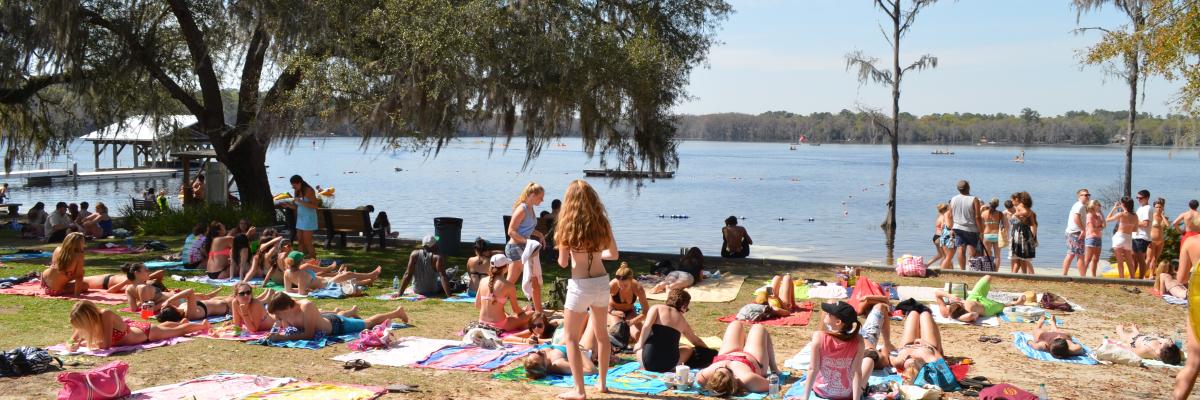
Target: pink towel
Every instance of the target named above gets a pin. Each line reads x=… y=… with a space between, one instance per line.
x=117 y=250
x=471 y=358
x=212 y=387
x=62 y=348
x=34 y=288
x=800 y=317
x=244 y=337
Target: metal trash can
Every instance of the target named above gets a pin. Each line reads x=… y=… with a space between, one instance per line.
x=449 y=234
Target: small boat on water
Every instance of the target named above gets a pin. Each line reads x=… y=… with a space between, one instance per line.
x=618 y=173
x=1020 y=158
x=942 y=152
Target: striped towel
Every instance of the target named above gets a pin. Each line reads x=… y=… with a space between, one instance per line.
x=1021 y=340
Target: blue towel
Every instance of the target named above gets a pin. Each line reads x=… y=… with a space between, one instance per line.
x=312 y=344
x=695 y=389
x=215 y=319
x=333 y=291
x=1021 y=340
x=1174 y=300
x=167 y=265
x=460 y=298
x=25 y=256
x=625 y=377
x=221 y=282
x=1019 y=319
x=876 y=378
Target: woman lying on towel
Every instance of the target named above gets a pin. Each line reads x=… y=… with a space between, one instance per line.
x=742 y=363
x=976 y=306
x=658 y=348
x=188 y=305
x=541 y=330
x=1150 y=347
x=303 y=280
x=1050 y=340
x=494 y=293
x=143 y=286
x=64 y=276
x=553 y=359
x=773 y=301
x=921 y=360
x=689 y=272
x=1166 y=282
x=102 y=329
x=837 y=351
x=301 y=320
x=249 y=311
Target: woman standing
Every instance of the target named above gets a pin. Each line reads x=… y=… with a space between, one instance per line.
x=520 y=230
x=584 y=238
x=1024 y=237
x=945 y=236
x=305 y=204
x=1092 y=238
x=1158 y=236
x=993 y=224
x=1122 y=241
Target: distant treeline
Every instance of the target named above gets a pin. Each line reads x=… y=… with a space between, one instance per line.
x=1075 y=127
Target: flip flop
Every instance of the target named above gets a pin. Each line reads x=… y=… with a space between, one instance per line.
x=356 y=364
x=402 y=388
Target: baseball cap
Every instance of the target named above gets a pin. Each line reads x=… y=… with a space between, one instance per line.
x=428 y=241
x=841 y=311
x=500 y=260
x=296 y=257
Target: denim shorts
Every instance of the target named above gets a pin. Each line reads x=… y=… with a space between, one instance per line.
x=513 y=251
x=1093 y=242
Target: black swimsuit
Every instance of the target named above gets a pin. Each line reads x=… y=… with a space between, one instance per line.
x=106 y=279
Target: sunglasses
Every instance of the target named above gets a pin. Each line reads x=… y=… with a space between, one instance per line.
x=538 y=326
x=1086 y=195
x=245 y=293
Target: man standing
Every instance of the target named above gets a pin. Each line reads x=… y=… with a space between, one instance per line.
x=965 y=209
x=58 y=223
x=1141 y=236
x=1075 y=222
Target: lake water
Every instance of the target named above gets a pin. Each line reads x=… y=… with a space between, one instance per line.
x=842 y=188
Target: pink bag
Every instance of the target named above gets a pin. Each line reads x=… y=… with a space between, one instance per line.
x=911 y=266
x=104 y=383
x=374 y=338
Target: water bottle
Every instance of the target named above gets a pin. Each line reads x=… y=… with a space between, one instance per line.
x=773 y=386
x=396 y=283
x=1042 y=395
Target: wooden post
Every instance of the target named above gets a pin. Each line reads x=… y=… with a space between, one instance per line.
x=187 y=187
x=136 y=153
x=96 y=153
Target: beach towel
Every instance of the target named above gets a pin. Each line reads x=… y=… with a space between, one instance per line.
x=22 y=256
x=117 y=250
x=695 y=389
x=406 y=297
x=220 y=386
x=471 y=358
x=720 y=290
x=404 y=352
x=801 y=360
x=61 y=349
x=533 y=268
x=800 y=317
x=876 y=378
x=922 y=294
x=460 y=298
x=864 y=287
x=1173 y=300
x=243 y=336
x=1021 y=340
x=945 y=320
x=311 y=344
x=332 y=291
x=1009 y=297
x=167 y=265
x=322 y=391
x=213 y=319
x=226 y=282
x=34 y=288
x=625 y=377
x=830 y=292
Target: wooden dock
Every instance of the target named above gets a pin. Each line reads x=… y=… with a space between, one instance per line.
x=615 y=173
x=45 y=176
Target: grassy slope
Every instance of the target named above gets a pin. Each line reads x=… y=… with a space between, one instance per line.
x=42 y=322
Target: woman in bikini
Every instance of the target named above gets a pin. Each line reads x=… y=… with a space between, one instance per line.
x=301 y=277
x=249 y=311
x=1158 y=234
x=219 y=248
x=143 y=286
x=584 y=237
x=625 y=291
x=541 y=330
x=742 y=363
x=1150 y=347
x=1059 y=344
x=921 y=360
x=1122 y=242
x=97 y=224
x=993 y=224
x=945 y=236
x=494 y=293
x=64 y=275
x=187 y=305
x=1092 y=238
x=1024 y=233
x=658 y=347
x=477 y=265
x=99 y=329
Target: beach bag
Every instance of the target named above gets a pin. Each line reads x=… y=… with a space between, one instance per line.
x=754 y=312
x=104 y=383
x=558 y=294
x=662 y=268
x=956 y=289
x=983 y=263
x=27 y=361
x=1005 y=391
x=937 y=374
x=374 y=338
x=909 y=265
x=1051 y=301
x=482 y=338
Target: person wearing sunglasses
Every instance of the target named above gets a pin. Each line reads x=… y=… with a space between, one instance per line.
x=248 y=310
x=1075 y=225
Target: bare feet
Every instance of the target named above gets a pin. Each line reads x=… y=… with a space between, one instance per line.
x=601 y=387
x=572 y=395
x=400 y=314
x=375 y=273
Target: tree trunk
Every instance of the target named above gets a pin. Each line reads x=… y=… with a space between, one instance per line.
x=247 y=164
x=1130 y=130
x=889 y=224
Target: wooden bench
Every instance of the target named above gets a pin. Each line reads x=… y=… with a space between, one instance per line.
x=143 y=205
x=14 y=209
x=336 y=221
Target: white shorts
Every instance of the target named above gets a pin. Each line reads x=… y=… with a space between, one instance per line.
x=1122 y=241
x=587 y=293
x=680 y=277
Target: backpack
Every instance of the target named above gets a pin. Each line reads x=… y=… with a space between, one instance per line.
x=662 y=267
x=1051 y=301
x=27 y=361
x=558 y=294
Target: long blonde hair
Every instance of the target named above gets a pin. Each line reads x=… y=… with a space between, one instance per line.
x=71 y=247
x=531 y=189
x=583 y=222
x=85 y=318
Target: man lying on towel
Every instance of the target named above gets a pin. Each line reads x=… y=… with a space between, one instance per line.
x=300 y=320
x=975 y=307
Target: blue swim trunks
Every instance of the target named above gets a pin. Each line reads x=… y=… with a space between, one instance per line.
x=344 y=325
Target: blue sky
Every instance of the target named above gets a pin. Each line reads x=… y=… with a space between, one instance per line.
x=994 y=56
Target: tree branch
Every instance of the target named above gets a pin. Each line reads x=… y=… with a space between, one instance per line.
x=1078 y=31
x=147 y=61
x=251 y=75
x=32 y=87
x=886 y=9
x=210 y=87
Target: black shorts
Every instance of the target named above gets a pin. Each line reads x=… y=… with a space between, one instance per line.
x=1140 y=246
x=966 y=239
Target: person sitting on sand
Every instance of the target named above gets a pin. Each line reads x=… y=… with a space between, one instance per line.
x=97 y=224
x=735 y=241
x=479 y=265
x=494 y=292
x=1058 y=344
x=689 y=272
x=301 y=320
x=837 y=351
x=625 y=291
x=658 y=348
x=249 y=311
x=976 y=306
x=187 y=305
x=776 y=300
x=303 y=280
x=1150 y=347
x=1165 y=283
x=64 y=276
x=876 y=334
x=99 y=329
x=742 y=364
x=143 y=286
x=426 y=271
